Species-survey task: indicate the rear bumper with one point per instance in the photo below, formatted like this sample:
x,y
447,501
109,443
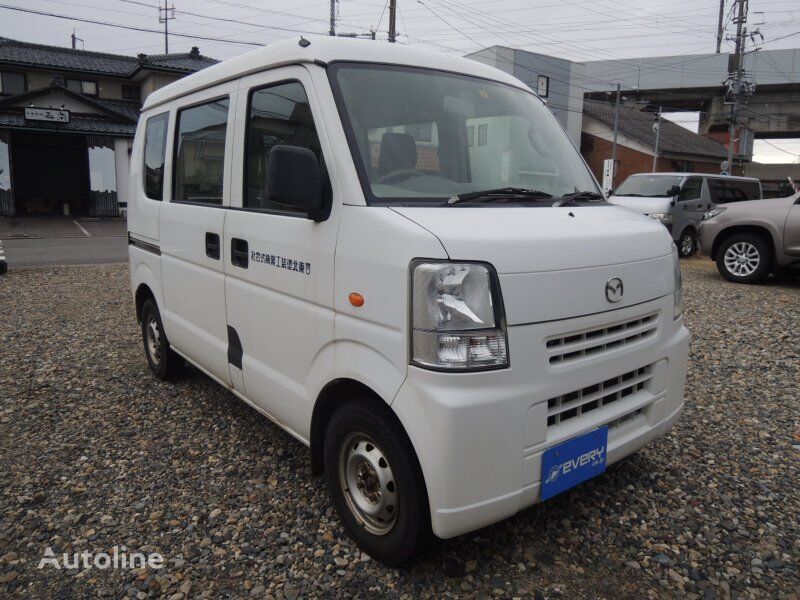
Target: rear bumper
x,y
480,436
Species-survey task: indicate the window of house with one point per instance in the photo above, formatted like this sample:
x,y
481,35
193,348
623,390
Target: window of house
x,y
82,86
470,135
130,92
279,114
692,189
199,167
155,145
12,83
483,131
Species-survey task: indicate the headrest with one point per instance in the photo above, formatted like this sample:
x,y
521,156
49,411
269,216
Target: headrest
x,y
398,152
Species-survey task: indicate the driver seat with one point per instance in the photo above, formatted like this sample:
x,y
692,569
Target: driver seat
x,y
398,153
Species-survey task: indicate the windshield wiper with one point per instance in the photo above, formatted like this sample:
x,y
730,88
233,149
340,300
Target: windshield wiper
x,y
499,194
567,198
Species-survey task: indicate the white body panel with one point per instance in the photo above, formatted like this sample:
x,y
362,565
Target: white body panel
x,y
478,436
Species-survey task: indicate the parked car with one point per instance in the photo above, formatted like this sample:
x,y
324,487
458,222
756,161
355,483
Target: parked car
x,y
679,200
750,240
327,229
3,263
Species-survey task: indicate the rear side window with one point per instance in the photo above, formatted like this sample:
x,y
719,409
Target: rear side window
x,y
200,152
731,190
278,115
692,189
155,145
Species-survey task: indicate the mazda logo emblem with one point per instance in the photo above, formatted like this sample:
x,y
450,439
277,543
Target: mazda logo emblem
x,y
614,289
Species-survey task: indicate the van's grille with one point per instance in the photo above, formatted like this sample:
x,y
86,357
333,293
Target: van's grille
x,y
574,404
576,345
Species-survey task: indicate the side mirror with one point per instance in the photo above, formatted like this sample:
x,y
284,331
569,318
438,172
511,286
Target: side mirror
x,y
293,178
675,190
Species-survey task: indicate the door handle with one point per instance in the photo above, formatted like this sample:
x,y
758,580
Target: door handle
x,y
698,206
212,245
240,254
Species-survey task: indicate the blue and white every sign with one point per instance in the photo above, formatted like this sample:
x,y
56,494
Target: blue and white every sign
x,y
573,462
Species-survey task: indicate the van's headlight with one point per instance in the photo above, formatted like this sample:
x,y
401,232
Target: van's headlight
x,y
713,213
457,320
678,291
663,218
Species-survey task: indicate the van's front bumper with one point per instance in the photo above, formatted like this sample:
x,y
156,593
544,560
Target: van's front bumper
x,y
480,436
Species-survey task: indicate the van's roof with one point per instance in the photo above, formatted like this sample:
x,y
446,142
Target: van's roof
x,y
677,174
325,49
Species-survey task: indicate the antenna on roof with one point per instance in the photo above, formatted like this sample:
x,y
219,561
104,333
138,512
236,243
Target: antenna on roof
x,y
76,39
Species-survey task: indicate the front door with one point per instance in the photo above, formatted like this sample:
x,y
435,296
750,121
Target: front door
x,y
279,263
690,205
191,230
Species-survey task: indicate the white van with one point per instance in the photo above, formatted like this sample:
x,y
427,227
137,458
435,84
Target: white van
x,y
679,200
401,259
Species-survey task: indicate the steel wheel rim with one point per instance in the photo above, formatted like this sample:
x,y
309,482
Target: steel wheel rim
x,y
153,339
368,483
687,245
742,259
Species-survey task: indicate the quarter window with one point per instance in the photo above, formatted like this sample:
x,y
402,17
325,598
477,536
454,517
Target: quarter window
x,y
278,115
200,152
155,144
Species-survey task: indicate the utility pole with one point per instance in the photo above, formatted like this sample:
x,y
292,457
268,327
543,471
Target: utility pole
x,y
614,145
657,127
392,20
720,26
75,39
332,30
736,77
165,15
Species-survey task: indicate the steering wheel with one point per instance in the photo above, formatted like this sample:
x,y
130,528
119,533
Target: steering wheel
x,y
392,176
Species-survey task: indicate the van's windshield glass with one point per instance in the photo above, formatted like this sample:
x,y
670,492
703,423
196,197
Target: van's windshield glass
x,y
648,186
422,135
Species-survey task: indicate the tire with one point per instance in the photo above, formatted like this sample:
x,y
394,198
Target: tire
x,y
365,447
687,244
744,258
164,362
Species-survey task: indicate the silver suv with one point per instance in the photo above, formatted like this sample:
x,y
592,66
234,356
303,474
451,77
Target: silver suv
x,y
749,240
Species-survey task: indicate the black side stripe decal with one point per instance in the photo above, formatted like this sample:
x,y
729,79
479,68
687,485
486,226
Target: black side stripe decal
x,y
148,247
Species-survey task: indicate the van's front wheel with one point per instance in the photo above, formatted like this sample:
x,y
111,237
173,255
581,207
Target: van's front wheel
x,y
163,361
375,482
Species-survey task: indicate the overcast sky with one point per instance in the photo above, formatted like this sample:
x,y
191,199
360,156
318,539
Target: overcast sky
x,y
574,29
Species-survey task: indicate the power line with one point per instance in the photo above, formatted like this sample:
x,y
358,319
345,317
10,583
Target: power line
x,y
128,27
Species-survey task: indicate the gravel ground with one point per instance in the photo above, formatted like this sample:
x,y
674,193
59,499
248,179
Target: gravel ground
x,y
95,452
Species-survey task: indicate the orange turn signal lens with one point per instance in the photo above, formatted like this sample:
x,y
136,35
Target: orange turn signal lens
x,y
356,299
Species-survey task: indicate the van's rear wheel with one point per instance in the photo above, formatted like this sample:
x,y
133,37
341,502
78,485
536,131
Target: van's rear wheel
x,y
687,244
376,483
744,258
164,362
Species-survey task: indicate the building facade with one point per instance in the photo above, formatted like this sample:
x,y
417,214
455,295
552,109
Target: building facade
x,y
67,120
679,150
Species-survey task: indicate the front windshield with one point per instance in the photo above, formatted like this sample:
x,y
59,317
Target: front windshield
x,y
422,134
648,186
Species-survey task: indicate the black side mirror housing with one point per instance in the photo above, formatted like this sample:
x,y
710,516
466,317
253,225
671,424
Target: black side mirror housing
x,y
293,178
675,190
